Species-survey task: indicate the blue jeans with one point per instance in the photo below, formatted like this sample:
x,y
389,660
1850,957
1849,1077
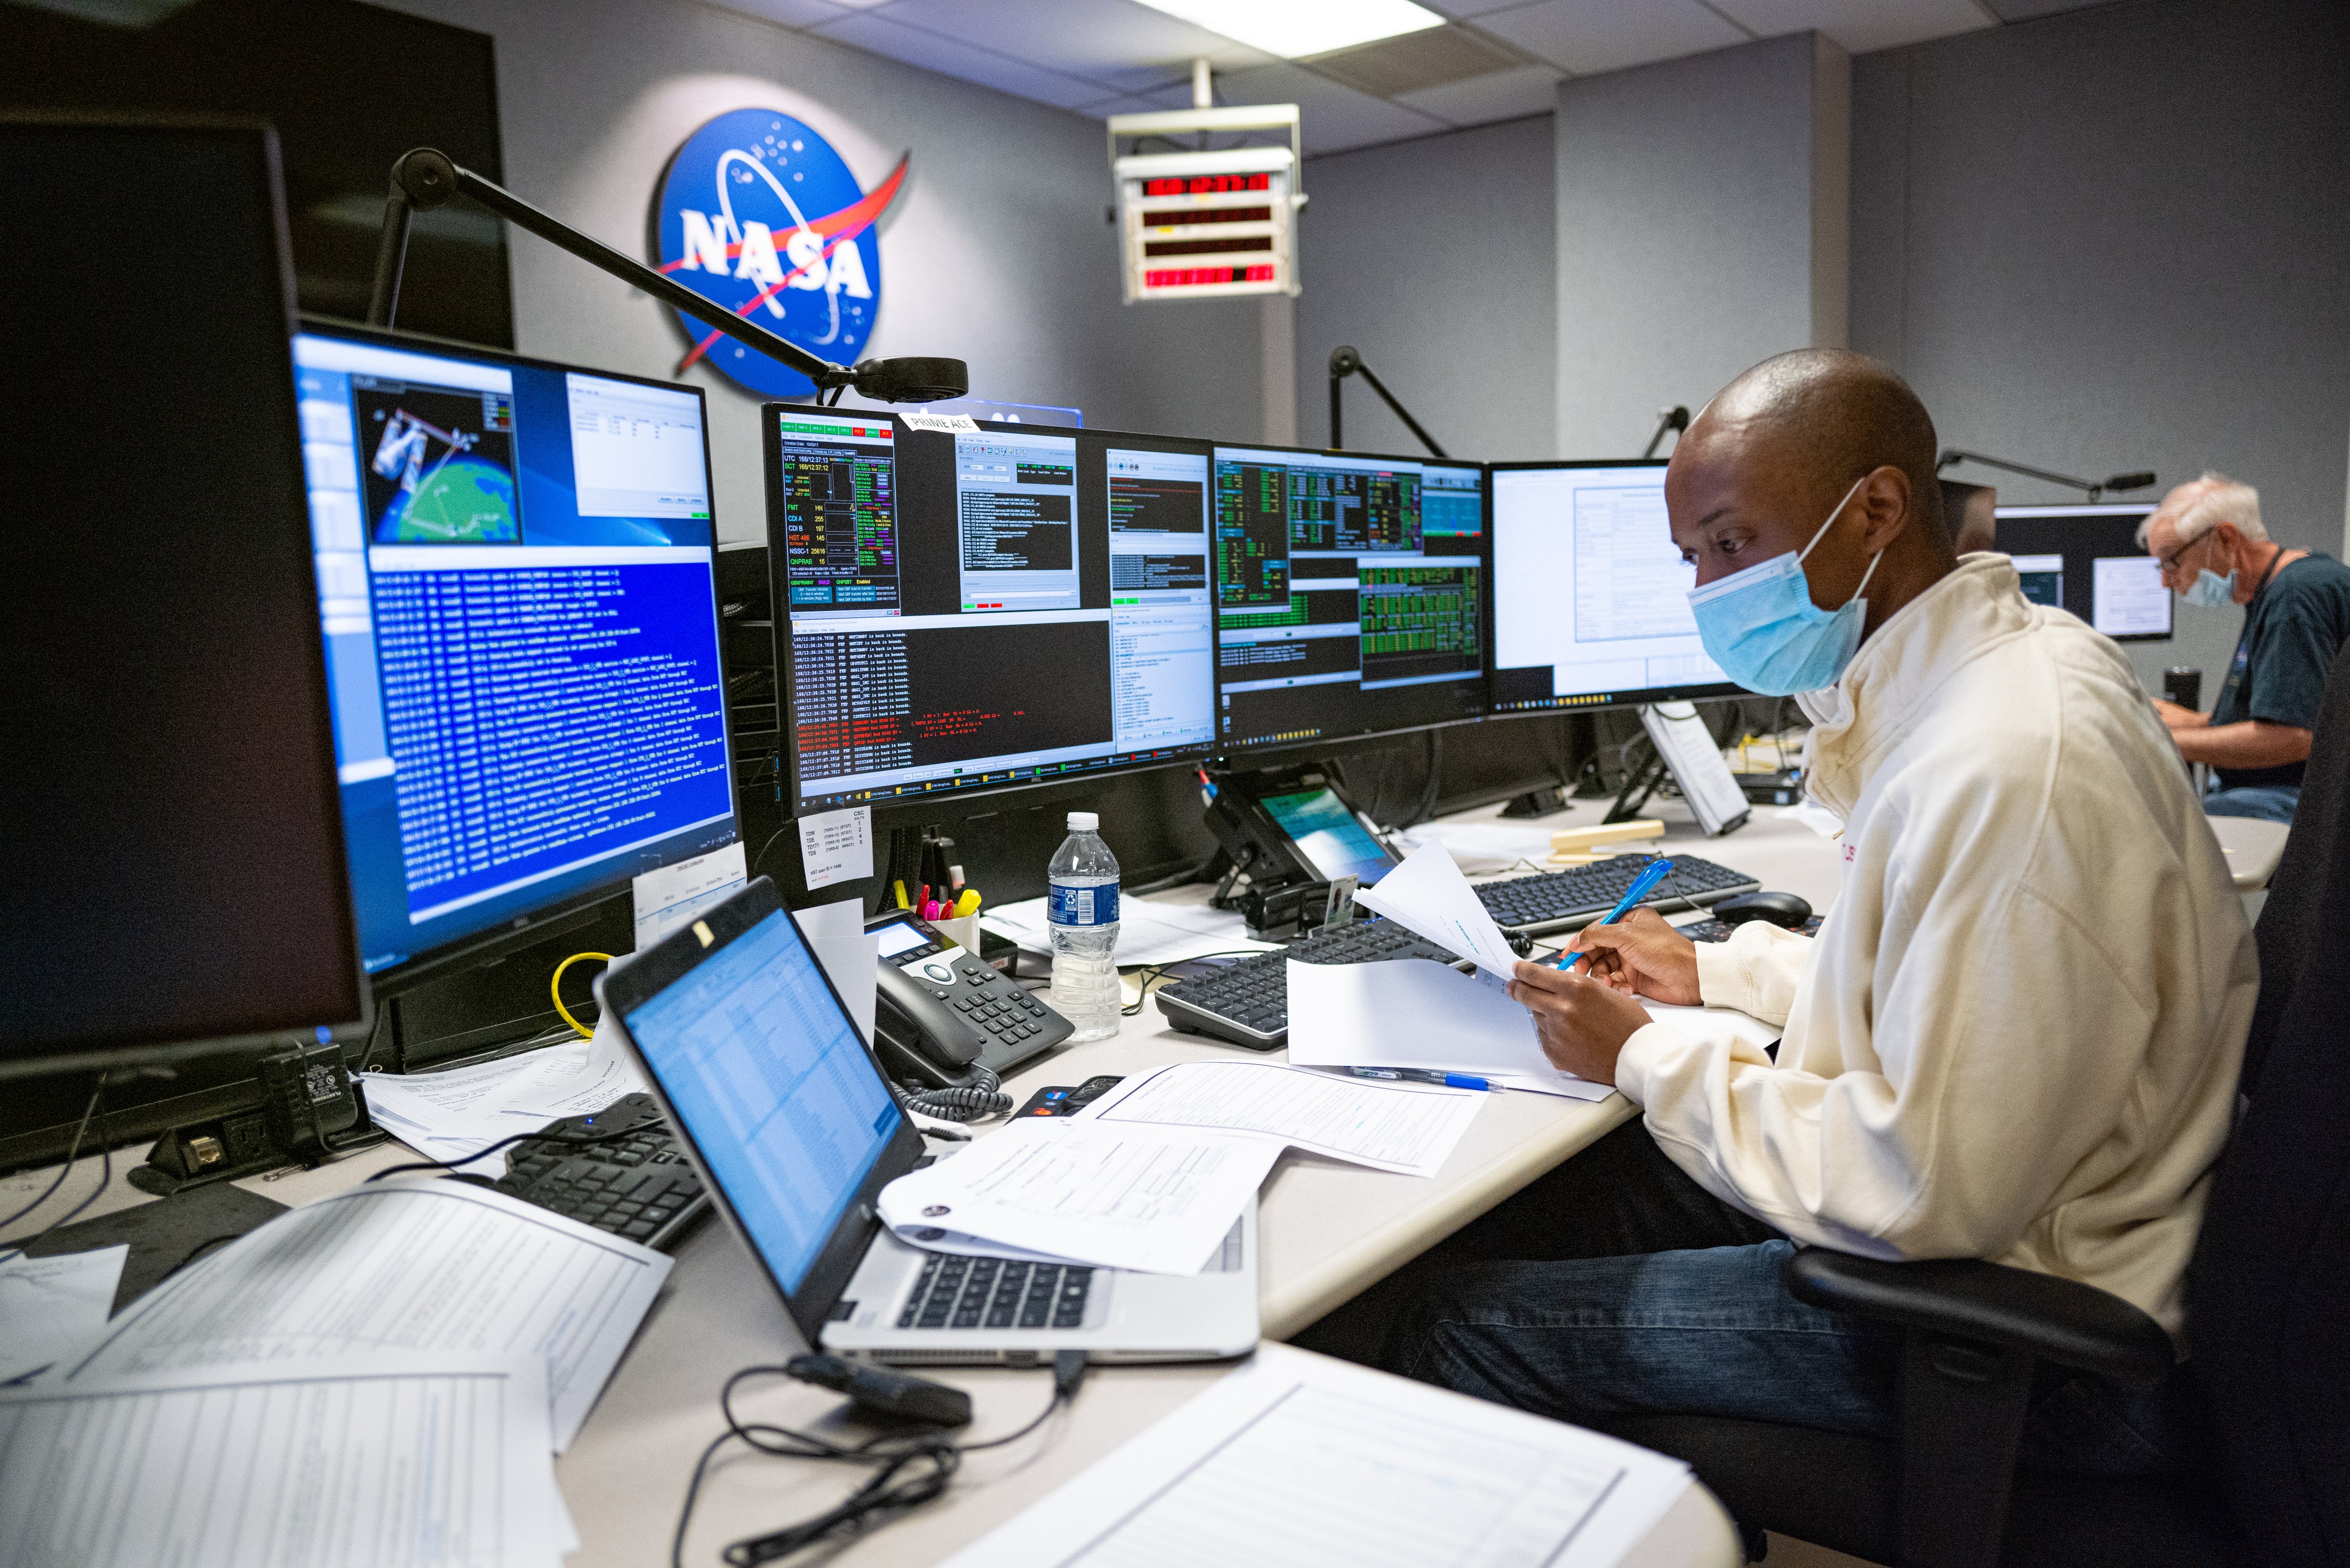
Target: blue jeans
x,y
2271,803
1617,1286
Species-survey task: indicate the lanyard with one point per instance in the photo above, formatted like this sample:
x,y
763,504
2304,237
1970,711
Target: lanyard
x,y
2252,603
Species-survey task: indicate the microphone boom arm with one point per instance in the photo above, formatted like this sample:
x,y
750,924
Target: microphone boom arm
x,y
1346,362
2095,488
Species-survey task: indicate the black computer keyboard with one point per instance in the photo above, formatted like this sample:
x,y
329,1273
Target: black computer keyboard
x,y
1719,930
641,1187
990,1292
1571,898
1247,1002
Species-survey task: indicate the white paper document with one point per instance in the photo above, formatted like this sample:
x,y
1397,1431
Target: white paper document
x,y
667,899
1300,1461
1147,932
836,933
1484,845
1416,1013
457,1114
1408,1128
50,1305
1707,783
1427,897
378,1461
837,846
1156,1200
425,1265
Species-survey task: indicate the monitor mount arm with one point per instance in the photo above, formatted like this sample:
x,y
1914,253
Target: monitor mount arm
x,y
424,179
1346,362
2096,487
1675,419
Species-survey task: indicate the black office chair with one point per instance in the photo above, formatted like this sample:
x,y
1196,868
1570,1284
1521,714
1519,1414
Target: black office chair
x,y
2268,1319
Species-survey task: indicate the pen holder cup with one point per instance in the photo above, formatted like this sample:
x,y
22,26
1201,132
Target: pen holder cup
x,y
963,933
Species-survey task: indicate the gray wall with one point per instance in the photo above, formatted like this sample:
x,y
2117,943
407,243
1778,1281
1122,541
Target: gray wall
x,y
2120,238
996,250
1702,209
1433,257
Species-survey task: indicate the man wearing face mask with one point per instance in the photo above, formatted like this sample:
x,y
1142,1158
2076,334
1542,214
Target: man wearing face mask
x,y
2214,552
2015,1038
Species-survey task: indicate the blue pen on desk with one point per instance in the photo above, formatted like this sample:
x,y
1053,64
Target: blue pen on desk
x,y
1642,886
1424,1075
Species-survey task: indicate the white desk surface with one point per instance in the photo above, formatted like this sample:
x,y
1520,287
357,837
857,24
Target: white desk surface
x,y
1328,1230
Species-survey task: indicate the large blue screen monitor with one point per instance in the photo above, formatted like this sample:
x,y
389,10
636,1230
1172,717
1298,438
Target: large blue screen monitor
x,y
1590,594
514,565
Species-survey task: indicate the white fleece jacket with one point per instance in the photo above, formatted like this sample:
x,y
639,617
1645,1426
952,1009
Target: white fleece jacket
x,y
2017,1035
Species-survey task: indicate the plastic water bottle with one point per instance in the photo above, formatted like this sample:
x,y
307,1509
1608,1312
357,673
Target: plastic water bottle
x,y
1082,904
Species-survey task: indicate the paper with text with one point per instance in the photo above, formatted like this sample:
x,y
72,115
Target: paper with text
x,y
1417,1013
456,1115
395,1461
421,1265
1428,896
837,846
1156,1200
1408,1128
50,1305
667,899
1147,932
1300,1461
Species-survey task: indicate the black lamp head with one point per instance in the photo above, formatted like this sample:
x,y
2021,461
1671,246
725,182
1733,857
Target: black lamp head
x,y
911,381
1949,455
2128,481
1344,361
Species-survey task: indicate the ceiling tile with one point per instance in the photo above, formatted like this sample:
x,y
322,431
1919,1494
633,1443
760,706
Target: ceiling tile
x,y
1127,47
1469,7
1504,95
2025,10
1860,26
1434,56
1335,117
790,13
950,58
1589,35
1143,102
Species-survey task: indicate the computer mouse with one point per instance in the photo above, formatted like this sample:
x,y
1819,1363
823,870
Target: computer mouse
x,y
1779,909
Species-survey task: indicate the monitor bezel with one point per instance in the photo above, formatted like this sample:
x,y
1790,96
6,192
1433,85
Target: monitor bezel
x,y
1581,703
574,908
2141,510
779,599
624,987
1231,758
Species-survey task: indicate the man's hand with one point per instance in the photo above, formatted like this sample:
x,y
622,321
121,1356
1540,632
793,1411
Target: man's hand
x,y
1642,954
2174,717
1582,1024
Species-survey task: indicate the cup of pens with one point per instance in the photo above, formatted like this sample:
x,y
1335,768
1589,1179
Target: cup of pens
x,y
963,933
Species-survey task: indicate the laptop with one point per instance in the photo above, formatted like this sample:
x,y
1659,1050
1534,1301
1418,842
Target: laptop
x,y
780,1106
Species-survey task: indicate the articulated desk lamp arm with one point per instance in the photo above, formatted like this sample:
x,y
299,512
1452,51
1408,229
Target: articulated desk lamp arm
x,y
1346,362
424,179
1675,419
2096,488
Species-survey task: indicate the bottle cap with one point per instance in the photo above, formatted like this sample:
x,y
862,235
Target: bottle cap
x,y
1082,822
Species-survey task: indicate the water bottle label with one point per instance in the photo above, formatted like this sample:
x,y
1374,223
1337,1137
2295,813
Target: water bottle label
x,y
1068,905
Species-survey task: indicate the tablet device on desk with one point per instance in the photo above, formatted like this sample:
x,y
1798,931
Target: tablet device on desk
x,y
782,1108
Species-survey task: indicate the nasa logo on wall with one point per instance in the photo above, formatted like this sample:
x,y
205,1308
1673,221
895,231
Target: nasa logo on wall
x,y
759,215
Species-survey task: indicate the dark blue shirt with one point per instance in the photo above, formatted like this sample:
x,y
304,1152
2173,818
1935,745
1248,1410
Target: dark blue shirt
x,y
2292,629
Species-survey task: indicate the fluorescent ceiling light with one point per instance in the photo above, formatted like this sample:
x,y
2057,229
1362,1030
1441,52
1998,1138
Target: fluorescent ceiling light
x,y
1294,28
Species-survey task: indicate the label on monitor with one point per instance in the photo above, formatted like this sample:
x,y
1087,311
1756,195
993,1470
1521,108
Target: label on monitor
x,y
940,424
1070,905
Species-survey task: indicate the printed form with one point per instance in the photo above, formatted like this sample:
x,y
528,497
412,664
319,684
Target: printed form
x,y
425,1265
1408,1128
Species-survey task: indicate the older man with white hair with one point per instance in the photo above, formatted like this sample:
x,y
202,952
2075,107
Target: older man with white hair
x,y
2214,551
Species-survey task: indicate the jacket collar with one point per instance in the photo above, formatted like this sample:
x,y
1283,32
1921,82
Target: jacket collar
x,y
1978,606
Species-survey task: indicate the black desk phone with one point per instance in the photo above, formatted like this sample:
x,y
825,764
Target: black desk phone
x,y
941,1013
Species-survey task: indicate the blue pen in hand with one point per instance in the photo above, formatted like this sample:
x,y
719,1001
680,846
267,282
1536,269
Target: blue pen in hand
x,y
1642,886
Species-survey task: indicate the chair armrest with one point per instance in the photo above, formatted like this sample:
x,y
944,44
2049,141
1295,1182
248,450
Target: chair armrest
x,y
2057,1320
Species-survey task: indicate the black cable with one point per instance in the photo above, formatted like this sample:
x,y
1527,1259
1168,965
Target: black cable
x,y
105,1179
760,858
1151,973
976,1100
73,1151
507,1143
882,1497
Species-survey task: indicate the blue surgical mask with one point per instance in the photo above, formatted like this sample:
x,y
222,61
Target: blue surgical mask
x,y
1760,625
2211,590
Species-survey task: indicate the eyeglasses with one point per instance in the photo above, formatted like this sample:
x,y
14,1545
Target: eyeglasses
x,y
2170,564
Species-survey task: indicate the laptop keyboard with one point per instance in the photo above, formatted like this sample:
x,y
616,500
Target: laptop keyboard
x,y
994,1293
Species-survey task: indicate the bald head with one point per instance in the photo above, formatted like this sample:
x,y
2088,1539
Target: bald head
x,y
1815,437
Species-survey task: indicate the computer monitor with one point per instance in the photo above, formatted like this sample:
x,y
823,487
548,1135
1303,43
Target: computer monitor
x,y
175,868
2088,560
983,608
1349,596
1590,595
515,583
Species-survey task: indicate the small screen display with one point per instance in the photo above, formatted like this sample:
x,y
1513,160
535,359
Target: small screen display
x,y
898,937
772,1083
1328,836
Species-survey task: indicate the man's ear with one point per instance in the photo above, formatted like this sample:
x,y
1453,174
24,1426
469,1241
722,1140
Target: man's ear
x,y
2226,550
1886,499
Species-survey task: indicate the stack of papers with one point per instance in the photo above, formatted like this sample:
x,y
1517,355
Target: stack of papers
x,y
50,1305
1428,897
1408,1128
1300,1461
1147,933
455,1114
379,1377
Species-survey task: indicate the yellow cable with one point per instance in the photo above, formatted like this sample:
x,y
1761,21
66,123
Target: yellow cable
x,y
554,988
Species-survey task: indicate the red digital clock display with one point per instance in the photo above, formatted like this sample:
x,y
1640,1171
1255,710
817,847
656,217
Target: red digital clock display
x,y
1207,184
